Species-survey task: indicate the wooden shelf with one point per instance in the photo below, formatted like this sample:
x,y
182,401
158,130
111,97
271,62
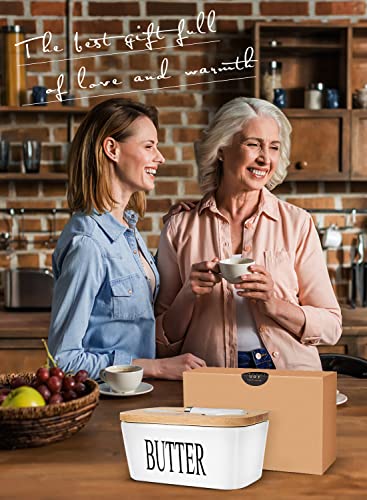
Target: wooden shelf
x,y
50,108
313,112
306,48
47,176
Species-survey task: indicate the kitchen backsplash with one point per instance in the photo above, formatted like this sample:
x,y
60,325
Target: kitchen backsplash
x,y
184,112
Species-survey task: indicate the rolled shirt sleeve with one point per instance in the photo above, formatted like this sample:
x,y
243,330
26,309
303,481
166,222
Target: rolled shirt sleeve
x,y
323,321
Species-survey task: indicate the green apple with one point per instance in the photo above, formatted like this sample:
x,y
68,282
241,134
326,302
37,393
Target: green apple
x,y
22,397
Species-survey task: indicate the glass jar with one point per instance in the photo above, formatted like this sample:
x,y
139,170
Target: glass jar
x,y
271,79
14,69
314,96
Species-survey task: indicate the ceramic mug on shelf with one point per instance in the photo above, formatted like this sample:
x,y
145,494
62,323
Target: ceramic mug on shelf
x,y
39,96
332,98
32,156
280,98
332,237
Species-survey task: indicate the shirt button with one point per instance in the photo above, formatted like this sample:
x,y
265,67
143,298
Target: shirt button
x,y
129,292
248,225
258,355
135,251
247,248
226,243
275,354
262,329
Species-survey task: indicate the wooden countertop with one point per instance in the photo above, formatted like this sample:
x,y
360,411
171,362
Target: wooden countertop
x,y
92,463
35,324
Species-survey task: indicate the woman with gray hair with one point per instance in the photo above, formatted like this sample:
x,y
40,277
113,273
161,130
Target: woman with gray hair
x,y
286,306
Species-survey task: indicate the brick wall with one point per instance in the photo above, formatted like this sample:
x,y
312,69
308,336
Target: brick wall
x,y
184,112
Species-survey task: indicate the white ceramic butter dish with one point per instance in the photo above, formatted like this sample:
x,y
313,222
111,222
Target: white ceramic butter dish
x,y
207,448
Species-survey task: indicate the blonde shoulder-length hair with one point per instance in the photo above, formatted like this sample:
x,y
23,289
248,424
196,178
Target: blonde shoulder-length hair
x,y
89,180
229,120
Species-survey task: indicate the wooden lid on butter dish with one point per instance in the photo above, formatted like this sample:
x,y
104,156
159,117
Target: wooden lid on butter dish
x,y
205,417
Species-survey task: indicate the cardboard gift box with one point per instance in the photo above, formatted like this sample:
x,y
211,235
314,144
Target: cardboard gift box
x,y
301,405
203,447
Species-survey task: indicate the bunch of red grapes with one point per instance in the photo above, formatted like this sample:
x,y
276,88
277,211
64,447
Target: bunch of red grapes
x,y
56,387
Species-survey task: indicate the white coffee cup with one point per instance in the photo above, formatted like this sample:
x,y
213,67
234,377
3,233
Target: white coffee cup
x,y
233,268
332,237
122,378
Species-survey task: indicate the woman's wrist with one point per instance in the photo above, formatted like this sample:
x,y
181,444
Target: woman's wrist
x,y
151,367
270,307
288,315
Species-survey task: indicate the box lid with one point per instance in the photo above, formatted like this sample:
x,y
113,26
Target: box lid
x,y
205,417
294,374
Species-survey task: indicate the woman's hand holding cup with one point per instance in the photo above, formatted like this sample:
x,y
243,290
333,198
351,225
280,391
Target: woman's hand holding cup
x,y
257,285
204,276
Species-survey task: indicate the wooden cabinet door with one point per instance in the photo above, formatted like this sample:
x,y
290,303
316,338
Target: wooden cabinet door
x,y
319,145
359,145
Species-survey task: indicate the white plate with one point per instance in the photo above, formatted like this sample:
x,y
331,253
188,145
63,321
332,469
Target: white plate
x,y
143,388
341,398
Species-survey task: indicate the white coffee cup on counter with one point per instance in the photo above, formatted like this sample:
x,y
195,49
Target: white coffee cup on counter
x,y
332,237
233,268
122,378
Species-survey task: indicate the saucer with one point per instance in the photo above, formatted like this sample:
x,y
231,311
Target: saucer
x,y
143,388
341,398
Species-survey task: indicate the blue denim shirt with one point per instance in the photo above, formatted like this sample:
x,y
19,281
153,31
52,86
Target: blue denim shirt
x,y
102,310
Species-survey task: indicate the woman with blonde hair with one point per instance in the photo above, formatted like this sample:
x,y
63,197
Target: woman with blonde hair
x,y
286,306
106,280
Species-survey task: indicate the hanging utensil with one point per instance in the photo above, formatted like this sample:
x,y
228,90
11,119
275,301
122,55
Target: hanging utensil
x,y
357,293
22,241
364,271
353,278
50,243
10,240
364,303
360,269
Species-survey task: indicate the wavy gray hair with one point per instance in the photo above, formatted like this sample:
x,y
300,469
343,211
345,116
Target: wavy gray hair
x,y
229,120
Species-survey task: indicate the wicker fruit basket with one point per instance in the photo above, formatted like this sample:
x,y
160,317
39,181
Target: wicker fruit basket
x,y
41,425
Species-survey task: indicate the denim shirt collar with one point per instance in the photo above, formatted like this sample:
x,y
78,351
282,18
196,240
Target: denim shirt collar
x,y
111,226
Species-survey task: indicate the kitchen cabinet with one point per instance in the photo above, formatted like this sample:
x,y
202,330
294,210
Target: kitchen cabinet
x,y
327,144
359,145
320,145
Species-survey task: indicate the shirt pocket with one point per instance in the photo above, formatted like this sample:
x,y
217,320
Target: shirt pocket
x,y
128,298
280,264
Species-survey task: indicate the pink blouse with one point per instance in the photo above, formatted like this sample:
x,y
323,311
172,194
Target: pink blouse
x,y
279,236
